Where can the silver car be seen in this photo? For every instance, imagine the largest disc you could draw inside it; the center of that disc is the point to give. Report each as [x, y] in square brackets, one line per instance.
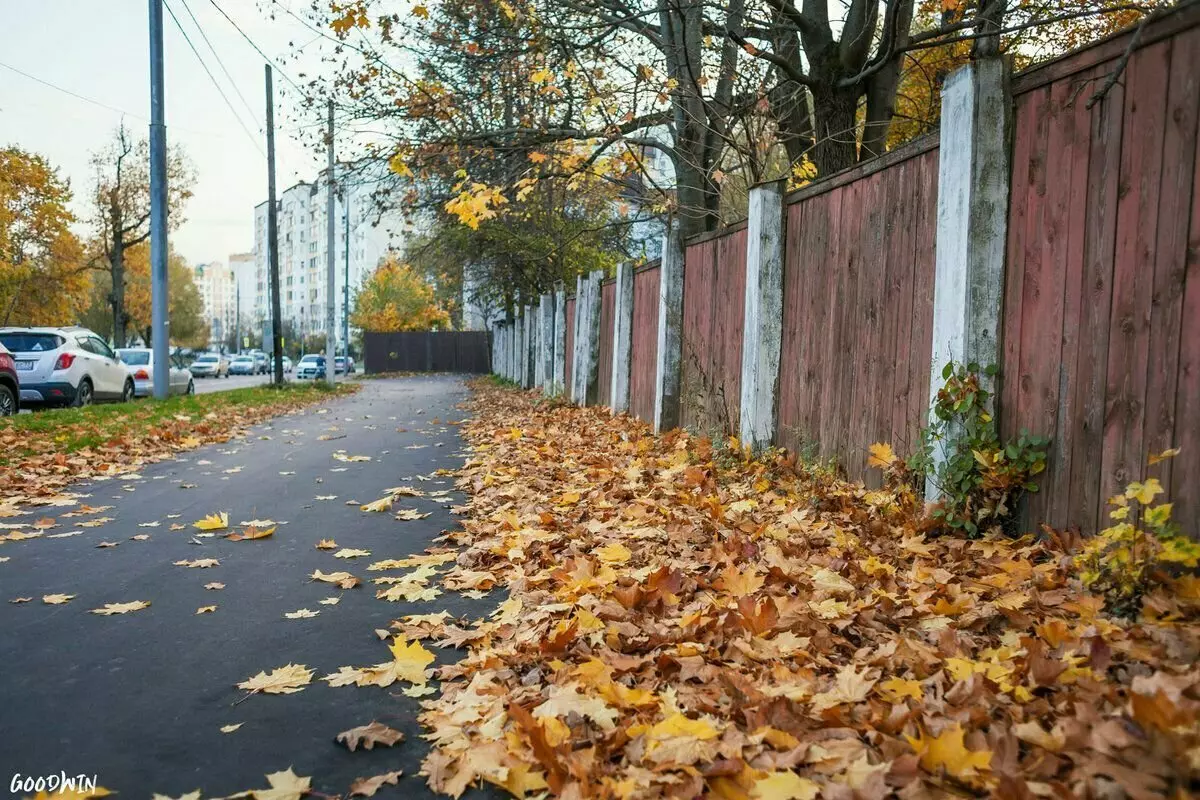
[140, 363]
[210, 365]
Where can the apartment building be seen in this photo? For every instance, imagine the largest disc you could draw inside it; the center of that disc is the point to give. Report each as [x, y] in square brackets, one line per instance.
[218, 288]
[362, 239]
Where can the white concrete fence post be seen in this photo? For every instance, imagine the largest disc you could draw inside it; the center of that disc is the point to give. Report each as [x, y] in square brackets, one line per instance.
[546, 343]
[622, 333]
[495, 360]
[670, 338]
[972, 224]
[575, 395]
[591, 334]
[559, 372]
[763, 320]
[531, 332]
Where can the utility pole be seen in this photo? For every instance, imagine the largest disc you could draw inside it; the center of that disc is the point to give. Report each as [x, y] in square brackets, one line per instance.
[346, 282]
[330, 260]
[158, 206]
[273, 238]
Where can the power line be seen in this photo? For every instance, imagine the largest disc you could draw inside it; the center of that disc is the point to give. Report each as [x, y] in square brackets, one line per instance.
[258, 50]
[72, 94]
[220, 63]
[216, 85]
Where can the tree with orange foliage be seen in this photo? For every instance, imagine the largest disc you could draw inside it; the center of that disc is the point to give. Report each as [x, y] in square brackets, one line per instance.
[396, 298]
[43, 280]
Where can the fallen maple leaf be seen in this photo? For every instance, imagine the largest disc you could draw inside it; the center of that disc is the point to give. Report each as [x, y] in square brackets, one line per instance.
[948, 751]
[302, 613]
[205, 610]
[382, 504]
[231, 728]
[327, 544]
[367, 787]
[284, 680]
[121, 608]
[411, 659]
[250, 533]
[342, 579]
[199, 563]
[285, 785]
[214, 586]
[408, 514]
[351, 553]
[57, 599]
[367, 736]
[213, 522]
[785, 785]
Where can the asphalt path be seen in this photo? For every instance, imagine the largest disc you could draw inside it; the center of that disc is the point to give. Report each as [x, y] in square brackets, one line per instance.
[138, 700]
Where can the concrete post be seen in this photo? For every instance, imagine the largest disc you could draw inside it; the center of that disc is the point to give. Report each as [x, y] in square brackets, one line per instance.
[591, 374]
[531, 348]
[576, 394]
[622, 333]
[763, 321]
[670, 339]
[495, 347]
[546, 343]
[972, 223]
[559, 372]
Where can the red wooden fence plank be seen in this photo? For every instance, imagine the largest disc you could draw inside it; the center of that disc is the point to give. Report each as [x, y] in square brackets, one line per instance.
[1024, 128]
[892, 267]
[1186, 465]
[1055, 491]
[1091, 365]
[921, 339]
[865, 330]
[1137, 225]
[830, 353]
[791, 377]
[1045, 277]
[1178, 166]
[904, 264]
[728, 321]
[644, 343]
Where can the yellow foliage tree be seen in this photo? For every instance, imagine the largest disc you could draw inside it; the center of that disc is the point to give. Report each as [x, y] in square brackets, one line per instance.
[396, 298]
[43, 280]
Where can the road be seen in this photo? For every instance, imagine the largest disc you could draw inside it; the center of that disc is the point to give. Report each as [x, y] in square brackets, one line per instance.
[139, 699]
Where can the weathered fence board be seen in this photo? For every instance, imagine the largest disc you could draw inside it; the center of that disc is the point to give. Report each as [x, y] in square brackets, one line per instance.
[644, 343]
[570, 345]
[714, 289]
[1099, 350]
[427, 351]
[858, 304]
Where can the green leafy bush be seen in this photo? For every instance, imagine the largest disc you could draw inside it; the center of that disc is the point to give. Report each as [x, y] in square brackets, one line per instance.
[980, 477]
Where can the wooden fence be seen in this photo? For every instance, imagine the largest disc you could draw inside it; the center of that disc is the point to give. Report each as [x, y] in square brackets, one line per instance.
[858, 309]
[427, 351]
[1102, 295]
[1100, 319]
[714, 290]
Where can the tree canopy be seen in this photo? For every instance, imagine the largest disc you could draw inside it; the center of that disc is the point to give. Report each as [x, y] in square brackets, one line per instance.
[43, 278]
[396, 298]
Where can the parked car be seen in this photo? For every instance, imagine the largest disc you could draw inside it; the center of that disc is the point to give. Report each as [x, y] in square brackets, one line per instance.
[339, 365]
[243, 365]
[140, 363]
[210, 365]
[262, 364]
[287, 364]
[311, 367]
[66, 366]
[10, 384]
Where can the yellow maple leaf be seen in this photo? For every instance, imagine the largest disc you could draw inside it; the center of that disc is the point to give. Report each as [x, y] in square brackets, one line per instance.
[679, 725]
[1145, 491]
[948, 751]
[1163, 456]
[881, 455]
[785, 785]
[615, 553]
[213, 522]
[251, 533]
[284, 680]
[382, 504]
[411, 659]
[894, 690]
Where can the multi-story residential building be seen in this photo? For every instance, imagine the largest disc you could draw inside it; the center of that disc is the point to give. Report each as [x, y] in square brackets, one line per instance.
[361, 242]
[242, 265]
[217, 287]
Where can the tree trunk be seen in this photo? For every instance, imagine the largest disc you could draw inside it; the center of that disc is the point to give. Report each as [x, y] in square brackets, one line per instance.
[116, 261]
[836, 129]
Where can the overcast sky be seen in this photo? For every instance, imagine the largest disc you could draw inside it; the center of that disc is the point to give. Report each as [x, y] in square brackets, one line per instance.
[99, 49]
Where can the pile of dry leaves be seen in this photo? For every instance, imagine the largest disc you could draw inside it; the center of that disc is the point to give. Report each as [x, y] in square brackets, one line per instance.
[681, 622]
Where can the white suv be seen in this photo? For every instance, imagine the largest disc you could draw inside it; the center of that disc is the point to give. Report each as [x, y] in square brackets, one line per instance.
[66, 366]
